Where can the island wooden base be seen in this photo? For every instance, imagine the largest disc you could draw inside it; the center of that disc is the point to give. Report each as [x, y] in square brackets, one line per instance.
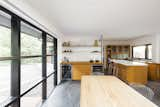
[133, 74]
[154, 71]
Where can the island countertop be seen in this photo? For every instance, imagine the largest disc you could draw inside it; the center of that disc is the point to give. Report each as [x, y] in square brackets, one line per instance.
[81, 63]
[109, 91]
[129, 63]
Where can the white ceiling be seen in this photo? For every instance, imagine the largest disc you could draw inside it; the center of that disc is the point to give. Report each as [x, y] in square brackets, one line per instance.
[115, 19]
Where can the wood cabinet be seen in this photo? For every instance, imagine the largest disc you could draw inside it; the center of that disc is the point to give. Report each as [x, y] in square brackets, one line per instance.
[78, 70]
[133, 74]
[154, 71]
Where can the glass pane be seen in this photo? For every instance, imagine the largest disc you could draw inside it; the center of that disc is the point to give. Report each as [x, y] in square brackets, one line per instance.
[31, 72]
[5, 76]
[50, 64]
[5, 35]
[149, 51]
[31, 41]
[50, 85]
[50, 45]
[139, 51]
[33, 98]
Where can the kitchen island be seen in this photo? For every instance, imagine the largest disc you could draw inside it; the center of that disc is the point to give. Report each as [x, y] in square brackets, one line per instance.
[132, 72]
[109, 91]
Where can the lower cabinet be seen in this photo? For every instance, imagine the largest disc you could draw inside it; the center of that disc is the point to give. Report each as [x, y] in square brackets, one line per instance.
[154, 71]
[78, 70]
[133, 74]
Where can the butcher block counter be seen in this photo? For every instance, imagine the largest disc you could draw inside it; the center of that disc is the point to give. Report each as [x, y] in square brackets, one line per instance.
[109, 91]
[132, 72]
[81, 68]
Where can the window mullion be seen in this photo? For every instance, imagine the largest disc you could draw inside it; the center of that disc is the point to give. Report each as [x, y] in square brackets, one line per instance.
[44, 68]
[55, 61]
[146, 52]
[15, 66]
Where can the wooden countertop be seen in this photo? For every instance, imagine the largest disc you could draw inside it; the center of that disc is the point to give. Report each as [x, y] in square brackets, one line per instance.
[81, 63]
[129, 63]
[109, 91]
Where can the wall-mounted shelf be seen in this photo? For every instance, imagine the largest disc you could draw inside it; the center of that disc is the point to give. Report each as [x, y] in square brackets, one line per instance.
[80, 46]
[82, 53]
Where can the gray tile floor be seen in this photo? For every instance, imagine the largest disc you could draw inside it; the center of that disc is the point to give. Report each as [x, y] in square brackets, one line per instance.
[155, 86]
[67, 94]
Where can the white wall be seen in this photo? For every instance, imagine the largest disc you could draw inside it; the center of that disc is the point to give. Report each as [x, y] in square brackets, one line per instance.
[81, 39]
[22, 9]
[82, 53]
[84, 50]
[116, 42]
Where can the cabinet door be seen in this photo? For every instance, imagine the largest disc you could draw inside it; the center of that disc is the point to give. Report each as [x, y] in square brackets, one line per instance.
[76, 72]
[122, 72]
[79, 70]
[152, 75]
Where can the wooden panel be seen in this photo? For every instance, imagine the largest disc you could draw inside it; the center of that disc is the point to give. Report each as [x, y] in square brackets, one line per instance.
[80, 69]
[154, 71]
[122, 72]
[137, 75]
[109, 91]
[133, 74]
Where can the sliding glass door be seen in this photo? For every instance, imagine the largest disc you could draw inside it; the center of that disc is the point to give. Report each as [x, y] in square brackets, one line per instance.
[28, 62]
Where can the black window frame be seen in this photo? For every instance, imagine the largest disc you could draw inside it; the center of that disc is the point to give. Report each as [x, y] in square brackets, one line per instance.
[146, 52]
[16, 57]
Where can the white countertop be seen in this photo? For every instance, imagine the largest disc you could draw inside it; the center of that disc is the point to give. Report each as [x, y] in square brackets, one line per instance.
[129, 63]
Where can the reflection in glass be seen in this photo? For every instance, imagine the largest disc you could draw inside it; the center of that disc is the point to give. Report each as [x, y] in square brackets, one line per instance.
[31, 72]
[31, 41]
[50, 85]
[50, 46]
[50, 65]
[5, 77]
[5, 42]
[33, 98]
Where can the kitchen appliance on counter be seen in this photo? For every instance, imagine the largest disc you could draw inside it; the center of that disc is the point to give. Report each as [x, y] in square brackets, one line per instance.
[66, 71]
